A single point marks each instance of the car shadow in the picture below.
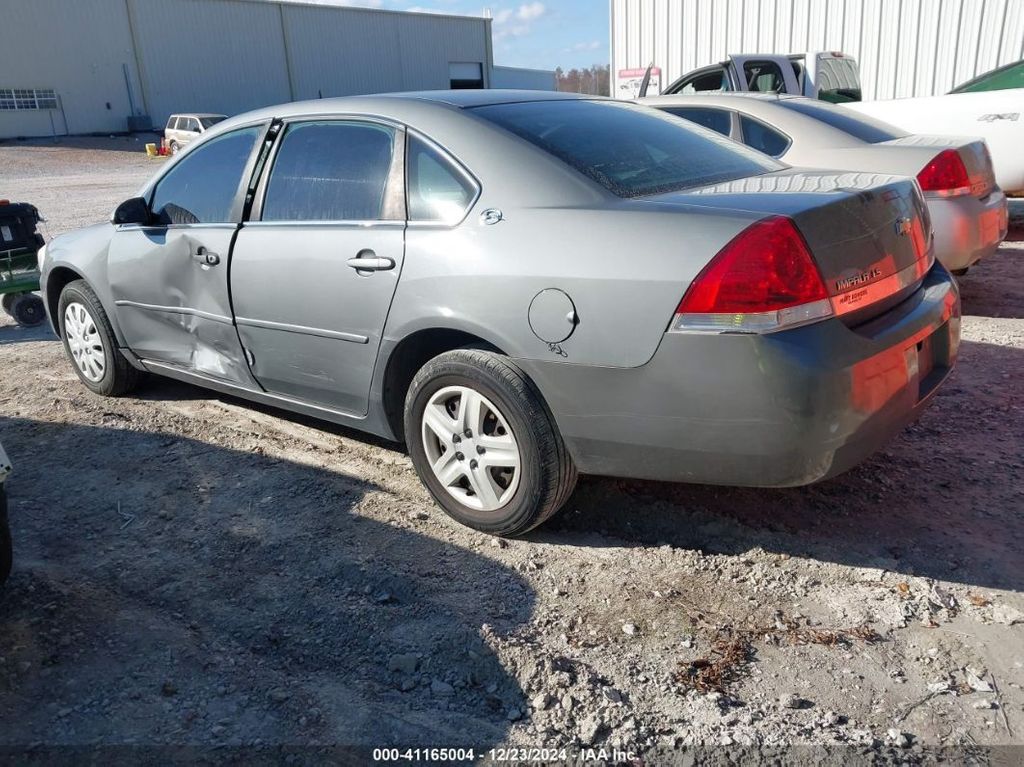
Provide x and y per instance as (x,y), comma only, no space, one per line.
(15,334)
(168,590)
(943,500)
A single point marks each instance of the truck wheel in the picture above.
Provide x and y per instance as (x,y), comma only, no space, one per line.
(90,344)
(28,310)
(484,443)
(7,300)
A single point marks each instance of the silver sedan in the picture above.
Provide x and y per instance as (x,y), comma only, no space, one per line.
(520,287)
(968,210)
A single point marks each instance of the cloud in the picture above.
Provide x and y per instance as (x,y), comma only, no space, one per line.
(530,11)
(515,22)
(593,45)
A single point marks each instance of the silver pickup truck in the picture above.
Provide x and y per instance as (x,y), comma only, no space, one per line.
(826,75)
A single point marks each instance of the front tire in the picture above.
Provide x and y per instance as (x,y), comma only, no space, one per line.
(90,344)
(484,443)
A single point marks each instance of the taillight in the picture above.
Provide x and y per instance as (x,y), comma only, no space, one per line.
(764,280)
(946,175)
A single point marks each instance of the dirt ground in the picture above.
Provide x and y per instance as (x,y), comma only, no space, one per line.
(191,569)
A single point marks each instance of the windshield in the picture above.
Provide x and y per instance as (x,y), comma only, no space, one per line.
(209,122)
(862,127)
(631,151)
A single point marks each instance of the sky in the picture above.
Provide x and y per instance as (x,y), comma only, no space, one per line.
(530,33)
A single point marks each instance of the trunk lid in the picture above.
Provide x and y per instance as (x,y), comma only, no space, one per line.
(869,234)
(973,152)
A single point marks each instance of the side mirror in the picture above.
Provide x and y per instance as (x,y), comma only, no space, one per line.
(133,211)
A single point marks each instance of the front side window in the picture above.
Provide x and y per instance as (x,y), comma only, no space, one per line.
(717,120)
(759,136)
(330,171)
(631,151)
(714,80)
(438,190)
(209,122)
(201,188)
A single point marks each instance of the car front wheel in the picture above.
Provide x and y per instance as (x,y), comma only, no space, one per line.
(90,344)
(484,444)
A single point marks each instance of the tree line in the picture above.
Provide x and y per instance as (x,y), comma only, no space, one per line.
(593,81)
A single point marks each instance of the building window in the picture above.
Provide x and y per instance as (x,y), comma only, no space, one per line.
(27,98)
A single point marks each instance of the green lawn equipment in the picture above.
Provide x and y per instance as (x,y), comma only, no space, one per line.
(19,268)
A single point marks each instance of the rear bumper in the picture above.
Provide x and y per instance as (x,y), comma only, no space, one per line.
(967,229)
(776,410)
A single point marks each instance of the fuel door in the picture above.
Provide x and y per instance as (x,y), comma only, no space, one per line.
(553,316)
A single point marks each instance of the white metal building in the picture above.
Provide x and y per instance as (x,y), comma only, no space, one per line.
(904,47)
(88,66)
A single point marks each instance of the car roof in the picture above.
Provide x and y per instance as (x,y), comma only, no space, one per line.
(467,99)
(198,114)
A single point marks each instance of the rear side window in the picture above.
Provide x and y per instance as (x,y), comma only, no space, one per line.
(717,120)
(714,80)
(438,189)
(759,136)
(764,77)
(201,188)
(631,151)
(330,171)
(859,126)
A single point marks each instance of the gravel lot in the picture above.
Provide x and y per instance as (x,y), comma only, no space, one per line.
(191,569)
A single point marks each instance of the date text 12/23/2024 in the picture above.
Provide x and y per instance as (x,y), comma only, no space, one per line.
(515,755)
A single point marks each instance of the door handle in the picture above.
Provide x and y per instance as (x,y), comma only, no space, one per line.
(368,261)
(205,258)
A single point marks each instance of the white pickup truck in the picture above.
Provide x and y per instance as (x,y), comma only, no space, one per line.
(994,115)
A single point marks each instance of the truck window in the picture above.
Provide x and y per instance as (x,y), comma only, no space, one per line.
(838,80)
(764,77)
(705,80)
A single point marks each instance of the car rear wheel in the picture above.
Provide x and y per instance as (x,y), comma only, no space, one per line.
(90,345)
(173,147)
(484,444)
(27,310)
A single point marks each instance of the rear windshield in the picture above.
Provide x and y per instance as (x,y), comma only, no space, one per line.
(209,122)
(852,124)
(630,151)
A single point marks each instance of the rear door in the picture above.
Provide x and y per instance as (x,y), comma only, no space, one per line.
(169,279)
(313,273)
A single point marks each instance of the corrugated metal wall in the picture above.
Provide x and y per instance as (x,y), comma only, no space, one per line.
(217,56)
(904,47)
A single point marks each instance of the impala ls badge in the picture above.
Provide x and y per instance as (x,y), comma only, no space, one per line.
(903,227)
(858,279)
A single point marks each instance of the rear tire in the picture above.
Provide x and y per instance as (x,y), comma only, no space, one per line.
(173,147)
(504,469)
(7,300)
(90,344)
(28,310)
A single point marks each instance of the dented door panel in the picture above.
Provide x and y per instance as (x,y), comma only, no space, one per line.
(170,292)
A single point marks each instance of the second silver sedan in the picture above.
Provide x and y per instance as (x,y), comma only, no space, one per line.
(968,210)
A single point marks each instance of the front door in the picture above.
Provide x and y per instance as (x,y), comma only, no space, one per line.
(313,275)
(169,279)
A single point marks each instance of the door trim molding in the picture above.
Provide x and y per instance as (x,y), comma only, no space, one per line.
(285,327)
(187,310)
